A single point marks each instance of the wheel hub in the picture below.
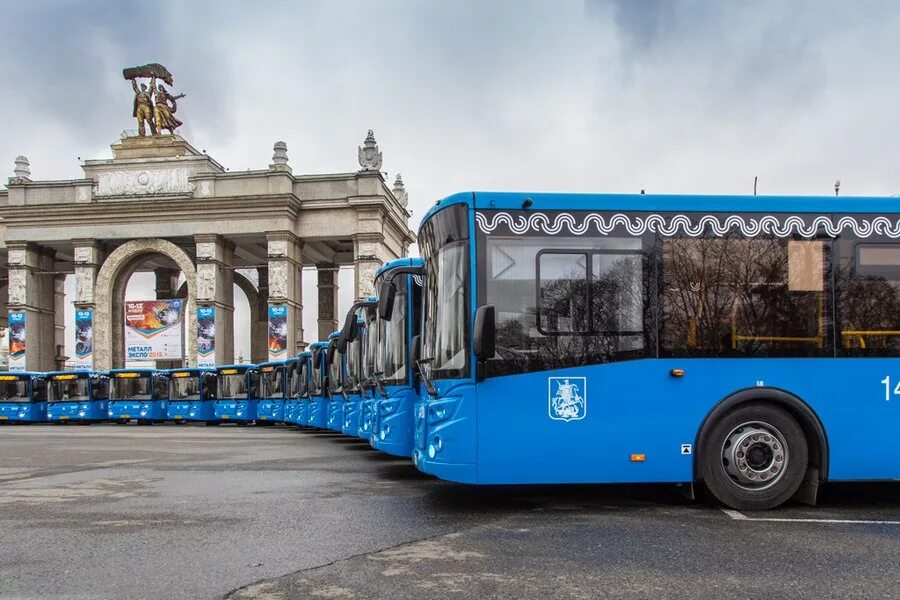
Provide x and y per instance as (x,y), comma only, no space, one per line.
(754,455)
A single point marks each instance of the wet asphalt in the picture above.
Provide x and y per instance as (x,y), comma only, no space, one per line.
(122,512)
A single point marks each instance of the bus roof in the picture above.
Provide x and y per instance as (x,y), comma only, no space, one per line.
(24,373)
(333,335)
(85,373)
(414,261)
(137,370)
(304,354)
(317,345)
(670,202)
(271,363)
(237,366)
(193,370)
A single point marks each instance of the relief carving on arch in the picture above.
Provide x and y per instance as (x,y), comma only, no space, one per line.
(84,285)
(206,282)
(17,286)
(278,279)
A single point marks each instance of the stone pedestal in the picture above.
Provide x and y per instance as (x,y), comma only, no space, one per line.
(327,279)
(215,290)
(32,292)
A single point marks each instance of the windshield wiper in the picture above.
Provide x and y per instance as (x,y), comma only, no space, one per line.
(429,387)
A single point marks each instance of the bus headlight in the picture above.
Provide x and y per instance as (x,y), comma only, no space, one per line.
(438,443)
(22,415)
(432,451)
(109,412)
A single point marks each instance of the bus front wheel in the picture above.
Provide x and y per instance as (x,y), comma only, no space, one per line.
(754,457)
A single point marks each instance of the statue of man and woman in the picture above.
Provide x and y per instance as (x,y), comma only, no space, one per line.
(155,108)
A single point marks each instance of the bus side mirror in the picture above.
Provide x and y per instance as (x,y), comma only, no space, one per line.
(329,357)
(348,331)
(485,337)
(386,300)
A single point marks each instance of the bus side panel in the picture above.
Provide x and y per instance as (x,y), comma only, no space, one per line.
(638,408)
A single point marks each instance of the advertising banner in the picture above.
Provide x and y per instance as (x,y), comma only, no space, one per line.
(206,336)
(277,331)
(153,329)
(84,340)
(16,341)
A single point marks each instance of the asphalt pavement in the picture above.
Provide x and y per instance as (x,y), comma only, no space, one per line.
(122,512)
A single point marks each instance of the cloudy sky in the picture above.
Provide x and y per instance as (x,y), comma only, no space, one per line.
(597,96)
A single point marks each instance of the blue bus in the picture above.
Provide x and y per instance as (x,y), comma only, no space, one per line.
(77,396)
(353,342)
(237,387)
(399,320)
(337,375)
(273,391)
(369,383)
(23,397)
(300,415)
(745,343)
(192,395)
(316,409)
(140,394)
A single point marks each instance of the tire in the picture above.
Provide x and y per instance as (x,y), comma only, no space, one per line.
(211,423)
(773,466)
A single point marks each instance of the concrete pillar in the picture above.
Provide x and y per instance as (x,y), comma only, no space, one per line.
(327,278)
(215,291)
(32,296)
(259,335)
(88,255)
(367,253)
(59,320)
(285,308)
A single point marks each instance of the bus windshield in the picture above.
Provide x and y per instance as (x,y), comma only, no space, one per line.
(371,346)
(392,338)
(271,382)
(444,244)
(185,387)
(315,382)
(335,375)
(69,390)
(353,363)
(14,390)
(233,386)
(131,386)
(303,370)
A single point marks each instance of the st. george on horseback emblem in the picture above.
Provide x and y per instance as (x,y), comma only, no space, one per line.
(567,398)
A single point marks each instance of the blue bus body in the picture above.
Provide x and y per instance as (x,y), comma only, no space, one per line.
(622,338)
(292,389)
(392,428)
(77,396)
(337,376)
(354,374)
(192,394)
(317,409)
(273,391)
(24,397)
(236,389)
(139,394)
(369,392)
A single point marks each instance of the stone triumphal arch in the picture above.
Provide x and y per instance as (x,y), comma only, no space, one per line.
(161,205)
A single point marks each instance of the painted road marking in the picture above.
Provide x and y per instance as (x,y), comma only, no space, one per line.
(738,516)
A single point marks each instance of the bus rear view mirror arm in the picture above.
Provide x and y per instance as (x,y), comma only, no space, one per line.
(485,337)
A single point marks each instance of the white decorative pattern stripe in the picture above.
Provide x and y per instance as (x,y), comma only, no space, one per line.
(417,279)
(594,223)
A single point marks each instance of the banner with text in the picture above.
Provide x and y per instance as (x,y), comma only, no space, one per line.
(277,331)
(16,341)
(206,336)
(153,329)
(84,340)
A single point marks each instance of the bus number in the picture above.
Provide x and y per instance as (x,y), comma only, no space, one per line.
(887,388)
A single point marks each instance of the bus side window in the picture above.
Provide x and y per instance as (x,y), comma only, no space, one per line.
(562,292)
(868,297)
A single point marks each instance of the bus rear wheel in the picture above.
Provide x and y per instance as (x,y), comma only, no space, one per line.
(754,458)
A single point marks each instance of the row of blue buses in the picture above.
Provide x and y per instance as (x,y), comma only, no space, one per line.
(743,343)
(212,395)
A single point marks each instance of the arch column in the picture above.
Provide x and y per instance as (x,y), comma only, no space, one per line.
(88,256)
(109,292)
(32,296)
(285,308)
(215,289)
(257,317)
